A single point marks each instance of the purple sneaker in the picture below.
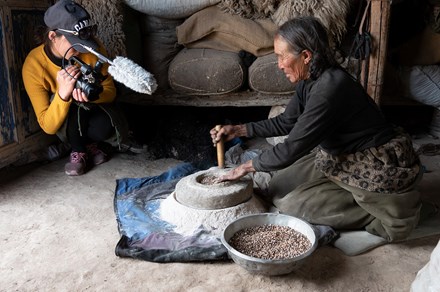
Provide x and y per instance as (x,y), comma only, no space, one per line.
(97,155)
(77,164)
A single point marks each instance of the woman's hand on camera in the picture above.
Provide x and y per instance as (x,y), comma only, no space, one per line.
(66,79)
(79,95)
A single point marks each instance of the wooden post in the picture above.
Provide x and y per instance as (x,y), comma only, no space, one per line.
(379,26)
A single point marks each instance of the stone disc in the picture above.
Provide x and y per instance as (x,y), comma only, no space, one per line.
(198,190)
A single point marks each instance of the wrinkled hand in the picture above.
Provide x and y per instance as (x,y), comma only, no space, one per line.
(66,79)
(227,132)
(237,173)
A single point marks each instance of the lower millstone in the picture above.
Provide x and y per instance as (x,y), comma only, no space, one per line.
(200,191)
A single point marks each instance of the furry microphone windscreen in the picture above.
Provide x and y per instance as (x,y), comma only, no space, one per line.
(132,75)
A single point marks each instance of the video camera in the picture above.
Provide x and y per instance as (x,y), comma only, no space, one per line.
(121,69)
(90,79)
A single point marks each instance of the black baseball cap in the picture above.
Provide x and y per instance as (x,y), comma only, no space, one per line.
(73,21)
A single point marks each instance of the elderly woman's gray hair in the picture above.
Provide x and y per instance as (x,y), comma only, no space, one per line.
(307,33)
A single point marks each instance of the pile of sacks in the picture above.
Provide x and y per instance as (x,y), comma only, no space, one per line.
(212,47)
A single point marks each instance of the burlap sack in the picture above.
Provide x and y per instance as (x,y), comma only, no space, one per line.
(266,77)
(206,72)
(172,9)
(159,46)
(211,28)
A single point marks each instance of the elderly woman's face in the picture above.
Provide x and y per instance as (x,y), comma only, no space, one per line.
(294,65)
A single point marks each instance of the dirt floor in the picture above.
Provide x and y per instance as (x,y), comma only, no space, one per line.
(59,233)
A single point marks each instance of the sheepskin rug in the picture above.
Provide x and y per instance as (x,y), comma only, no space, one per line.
(108,15)
(332,13)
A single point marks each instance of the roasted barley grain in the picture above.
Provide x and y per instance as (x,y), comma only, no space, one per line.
(272,242)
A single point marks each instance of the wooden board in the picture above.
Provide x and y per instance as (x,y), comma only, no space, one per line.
(379,26)
(238,99)
(21,135)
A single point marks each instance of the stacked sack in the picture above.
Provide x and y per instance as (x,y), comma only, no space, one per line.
(215,47)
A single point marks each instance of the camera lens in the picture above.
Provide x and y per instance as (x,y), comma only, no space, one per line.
(91,90)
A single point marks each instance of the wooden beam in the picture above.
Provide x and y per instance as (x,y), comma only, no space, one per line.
(235,99)
(28,151)
(379,26)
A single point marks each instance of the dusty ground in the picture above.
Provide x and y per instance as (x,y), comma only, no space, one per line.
(59,233)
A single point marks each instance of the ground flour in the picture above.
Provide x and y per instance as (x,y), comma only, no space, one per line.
(188,220)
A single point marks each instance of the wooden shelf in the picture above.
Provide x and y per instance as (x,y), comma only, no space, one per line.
(237,99)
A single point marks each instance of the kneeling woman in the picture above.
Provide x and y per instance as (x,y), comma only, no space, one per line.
(342,164)
(60,107)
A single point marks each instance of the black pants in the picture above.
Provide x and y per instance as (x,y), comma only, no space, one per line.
(87,126)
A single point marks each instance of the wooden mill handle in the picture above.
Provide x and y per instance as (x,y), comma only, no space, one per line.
(220,150)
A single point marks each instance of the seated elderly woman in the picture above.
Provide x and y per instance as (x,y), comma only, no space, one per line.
(342,164)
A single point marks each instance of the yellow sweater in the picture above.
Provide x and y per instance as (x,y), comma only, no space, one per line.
(39,77)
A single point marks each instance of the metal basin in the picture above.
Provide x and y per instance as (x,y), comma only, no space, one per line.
(264,266)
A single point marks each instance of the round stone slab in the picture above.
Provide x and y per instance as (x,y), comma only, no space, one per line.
(200,191)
